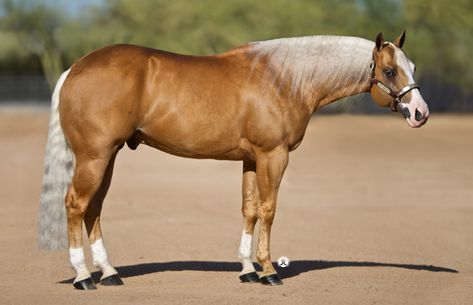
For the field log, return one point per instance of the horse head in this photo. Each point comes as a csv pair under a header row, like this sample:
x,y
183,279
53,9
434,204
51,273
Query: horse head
x,y
392,81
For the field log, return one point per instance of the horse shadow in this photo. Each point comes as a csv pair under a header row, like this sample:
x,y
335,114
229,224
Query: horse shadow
x,y
294,269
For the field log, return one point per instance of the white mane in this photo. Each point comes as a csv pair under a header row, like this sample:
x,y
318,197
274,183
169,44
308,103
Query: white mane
x,y
308,62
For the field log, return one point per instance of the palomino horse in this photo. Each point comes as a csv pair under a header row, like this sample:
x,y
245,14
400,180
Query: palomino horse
x,y
250,104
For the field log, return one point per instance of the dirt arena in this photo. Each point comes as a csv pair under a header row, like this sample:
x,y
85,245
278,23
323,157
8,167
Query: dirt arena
x,y
370,212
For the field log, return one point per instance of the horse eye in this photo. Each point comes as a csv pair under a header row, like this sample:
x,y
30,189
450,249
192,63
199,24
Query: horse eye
x,y
389,72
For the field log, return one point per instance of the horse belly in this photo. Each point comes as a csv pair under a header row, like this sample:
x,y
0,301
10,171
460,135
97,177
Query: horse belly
x,y
202,139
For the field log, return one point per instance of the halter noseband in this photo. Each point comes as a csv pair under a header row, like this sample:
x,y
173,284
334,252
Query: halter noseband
x,y
396,95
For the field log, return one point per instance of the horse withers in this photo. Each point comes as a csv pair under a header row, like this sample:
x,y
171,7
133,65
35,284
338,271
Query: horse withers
x,y
250,104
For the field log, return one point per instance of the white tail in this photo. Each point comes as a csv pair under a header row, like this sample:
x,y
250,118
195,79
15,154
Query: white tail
x,y
58,170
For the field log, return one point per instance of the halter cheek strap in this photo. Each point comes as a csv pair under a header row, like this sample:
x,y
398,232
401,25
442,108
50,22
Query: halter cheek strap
x,y
396,95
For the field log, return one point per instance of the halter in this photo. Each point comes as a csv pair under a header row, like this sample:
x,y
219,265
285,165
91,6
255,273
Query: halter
x,y
396,95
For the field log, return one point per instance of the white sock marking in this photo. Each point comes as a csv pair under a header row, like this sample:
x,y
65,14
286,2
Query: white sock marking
x,y
77,259
99,253
100,258
244,252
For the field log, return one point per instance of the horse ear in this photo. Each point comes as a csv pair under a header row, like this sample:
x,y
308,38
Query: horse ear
x,y
379,41
399,42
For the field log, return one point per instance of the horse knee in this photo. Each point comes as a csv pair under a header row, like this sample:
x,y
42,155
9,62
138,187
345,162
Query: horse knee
x,y
249,213
266,212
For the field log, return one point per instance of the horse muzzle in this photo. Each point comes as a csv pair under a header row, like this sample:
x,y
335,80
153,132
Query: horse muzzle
x,y
416,112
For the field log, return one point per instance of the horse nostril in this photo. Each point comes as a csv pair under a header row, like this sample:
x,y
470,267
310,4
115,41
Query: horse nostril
x,y
419,115
406,112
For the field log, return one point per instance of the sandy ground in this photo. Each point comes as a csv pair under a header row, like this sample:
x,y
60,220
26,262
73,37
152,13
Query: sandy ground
x,y
370,212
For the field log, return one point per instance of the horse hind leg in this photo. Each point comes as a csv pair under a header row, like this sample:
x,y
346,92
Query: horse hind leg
x,y
87,178
249,210
100,258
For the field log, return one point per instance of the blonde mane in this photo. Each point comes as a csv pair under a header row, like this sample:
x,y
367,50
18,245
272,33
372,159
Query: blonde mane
x,y
307,63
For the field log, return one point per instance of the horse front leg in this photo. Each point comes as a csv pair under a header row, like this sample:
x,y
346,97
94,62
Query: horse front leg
x,y
270,167
249,210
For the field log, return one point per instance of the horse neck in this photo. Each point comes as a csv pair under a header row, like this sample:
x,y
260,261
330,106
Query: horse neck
x,y
315,70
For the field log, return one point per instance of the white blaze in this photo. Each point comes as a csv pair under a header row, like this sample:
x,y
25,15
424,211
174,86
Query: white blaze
x,y
416,101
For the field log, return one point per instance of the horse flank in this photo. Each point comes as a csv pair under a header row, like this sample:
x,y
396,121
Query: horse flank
x,y
306,64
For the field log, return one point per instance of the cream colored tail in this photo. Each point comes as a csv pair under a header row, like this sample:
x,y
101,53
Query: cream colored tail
x,y
58,170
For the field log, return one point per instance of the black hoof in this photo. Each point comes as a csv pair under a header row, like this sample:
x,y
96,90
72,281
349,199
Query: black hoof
x,y
86,284
251,277
112,280
272,279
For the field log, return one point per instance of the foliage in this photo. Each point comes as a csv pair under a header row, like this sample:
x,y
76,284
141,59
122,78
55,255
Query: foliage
x,y
442,37
36,35
34,26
